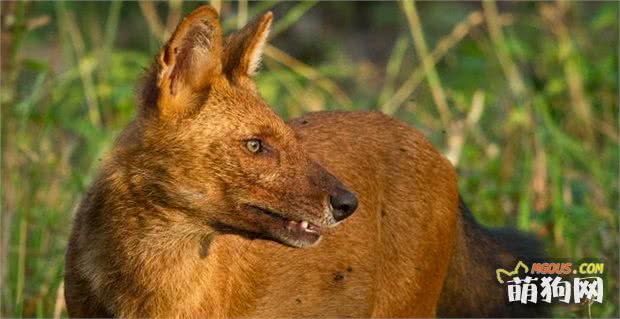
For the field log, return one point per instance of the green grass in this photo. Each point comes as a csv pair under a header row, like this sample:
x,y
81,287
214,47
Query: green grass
x,y
522,97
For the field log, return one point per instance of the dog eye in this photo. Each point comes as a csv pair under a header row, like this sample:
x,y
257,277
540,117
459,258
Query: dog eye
x,y
254,145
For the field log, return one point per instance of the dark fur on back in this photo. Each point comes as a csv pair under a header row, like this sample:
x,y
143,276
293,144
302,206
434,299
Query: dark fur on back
x,y
471,289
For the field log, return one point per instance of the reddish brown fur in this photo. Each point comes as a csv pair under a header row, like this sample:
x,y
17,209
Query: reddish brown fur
x,y
164,230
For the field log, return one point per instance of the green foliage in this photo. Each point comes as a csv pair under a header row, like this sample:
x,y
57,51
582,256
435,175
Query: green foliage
x,y
532,102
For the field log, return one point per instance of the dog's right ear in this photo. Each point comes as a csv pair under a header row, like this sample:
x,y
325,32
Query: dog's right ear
x,y
189,62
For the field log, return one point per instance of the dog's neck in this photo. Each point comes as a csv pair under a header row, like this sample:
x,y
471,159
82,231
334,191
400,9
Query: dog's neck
x,y
135,247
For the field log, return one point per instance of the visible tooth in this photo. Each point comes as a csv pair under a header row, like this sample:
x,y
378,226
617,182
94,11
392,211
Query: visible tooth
x,y
304,224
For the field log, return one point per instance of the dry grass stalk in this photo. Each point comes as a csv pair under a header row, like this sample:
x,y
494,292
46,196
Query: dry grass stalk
x,y
59,305
515,80
309,73
443,46
242,13
554,15
150,14
460,129
84,67
437,91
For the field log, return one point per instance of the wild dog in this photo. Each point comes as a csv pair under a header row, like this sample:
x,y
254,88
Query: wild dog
x,y
209,205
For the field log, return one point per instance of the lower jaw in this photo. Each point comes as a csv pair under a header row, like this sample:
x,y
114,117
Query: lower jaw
x,y
301,241
293,233
296,237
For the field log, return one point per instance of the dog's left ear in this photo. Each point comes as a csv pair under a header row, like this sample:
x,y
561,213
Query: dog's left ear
x,y
243,49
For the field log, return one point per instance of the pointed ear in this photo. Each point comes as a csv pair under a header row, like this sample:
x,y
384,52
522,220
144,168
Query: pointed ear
x,y
190,61
243,49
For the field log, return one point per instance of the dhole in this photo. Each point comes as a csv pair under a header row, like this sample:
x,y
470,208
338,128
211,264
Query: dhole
x,y
211,206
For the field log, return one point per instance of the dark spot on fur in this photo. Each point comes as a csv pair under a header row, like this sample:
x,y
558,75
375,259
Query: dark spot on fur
x,y
349,269
298,301
205,243
338,276
304,121
402,149
383,213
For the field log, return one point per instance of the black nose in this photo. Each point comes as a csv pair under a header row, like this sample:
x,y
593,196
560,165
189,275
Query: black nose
x,y
343,202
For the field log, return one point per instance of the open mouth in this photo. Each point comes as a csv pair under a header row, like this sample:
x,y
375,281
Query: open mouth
x,y
303,226
298,233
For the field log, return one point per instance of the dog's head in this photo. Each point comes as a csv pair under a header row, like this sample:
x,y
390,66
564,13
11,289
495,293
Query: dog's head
x,y
214,151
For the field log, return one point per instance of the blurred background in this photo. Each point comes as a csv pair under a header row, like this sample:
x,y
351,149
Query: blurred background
x,y
521,97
